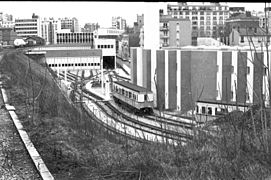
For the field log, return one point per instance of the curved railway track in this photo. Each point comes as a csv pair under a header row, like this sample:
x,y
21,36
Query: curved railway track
x,y
107,107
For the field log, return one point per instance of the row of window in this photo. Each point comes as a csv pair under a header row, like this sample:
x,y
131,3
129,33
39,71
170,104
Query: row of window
x,y
25,20
199,13
125,93
105,46
32,24
26,28
74,64
27,32
203,8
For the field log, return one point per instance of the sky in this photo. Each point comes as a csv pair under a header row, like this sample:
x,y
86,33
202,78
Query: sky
x,y
92,11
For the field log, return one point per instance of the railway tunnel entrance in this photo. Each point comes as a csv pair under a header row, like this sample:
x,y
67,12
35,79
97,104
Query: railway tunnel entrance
x,y
109,62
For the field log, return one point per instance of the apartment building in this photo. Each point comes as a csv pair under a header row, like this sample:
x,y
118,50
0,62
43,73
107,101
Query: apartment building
x,y
174,32
70,23
118,23
28,27
206,18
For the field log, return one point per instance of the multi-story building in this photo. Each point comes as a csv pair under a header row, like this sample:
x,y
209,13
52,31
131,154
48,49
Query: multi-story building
x,y
108,47
235,11
28,27
6,20
204,17
7,36
109,33
68,23
118,23
74,38
215,77
174,32
243,22
249,37
90,27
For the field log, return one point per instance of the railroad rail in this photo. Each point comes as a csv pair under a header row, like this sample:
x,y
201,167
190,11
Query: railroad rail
x,y
106,107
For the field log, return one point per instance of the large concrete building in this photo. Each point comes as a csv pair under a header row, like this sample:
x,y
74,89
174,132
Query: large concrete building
x,y
205,17
213,76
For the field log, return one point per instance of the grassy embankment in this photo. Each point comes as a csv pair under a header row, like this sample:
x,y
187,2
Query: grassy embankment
x,y
73,147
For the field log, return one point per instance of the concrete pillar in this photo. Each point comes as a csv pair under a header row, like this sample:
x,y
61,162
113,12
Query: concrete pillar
x,y
102,75
65,72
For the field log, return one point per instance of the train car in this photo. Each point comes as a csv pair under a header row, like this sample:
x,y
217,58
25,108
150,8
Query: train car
x,y
134,97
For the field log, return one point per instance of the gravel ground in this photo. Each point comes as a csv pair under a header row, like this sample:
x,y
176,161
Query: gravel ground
x,y
15,162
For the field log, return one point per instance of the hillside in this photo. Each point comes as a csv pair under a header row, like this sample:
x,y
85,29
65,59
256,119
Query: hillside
x,y
74,147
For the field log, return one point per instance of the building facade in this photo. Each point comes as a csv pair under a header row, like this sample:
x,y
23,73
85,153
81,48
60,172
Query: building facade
x,y
70,23
175,32
118,23
74,38
28,27
244,24
205,17
108,47
180,78
90,27
7,36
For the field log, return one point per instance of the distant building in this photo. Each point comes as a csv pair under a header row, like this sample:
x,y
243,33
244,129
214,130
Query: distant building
x,y
243,22
28,27
7,36
249,37
90,27
74,38
175,32
108,47
68,23
109,33
118,23
235,11
204,17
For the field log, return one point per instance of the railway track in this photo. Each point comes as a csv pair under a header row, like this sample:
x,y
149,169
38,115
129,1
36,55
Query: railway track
x,y
107,107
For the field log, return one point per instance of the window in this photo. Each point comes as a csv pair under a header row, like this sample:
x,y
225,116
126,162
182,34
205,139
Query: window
x,y
99,46
145,97
248,70
209,110
203,110
232,69
265,71
247,96
194,23
202,13
201,18
197,109
242,39
231,94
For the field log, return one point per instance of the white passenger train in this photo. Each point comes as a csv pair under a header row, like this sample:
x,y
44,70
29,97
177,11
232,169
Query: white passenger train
x,y
132,96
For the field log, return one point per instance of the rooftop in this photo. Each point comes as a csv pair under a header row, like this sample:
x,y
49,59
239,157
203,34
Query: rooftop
x,y
74,53
132,86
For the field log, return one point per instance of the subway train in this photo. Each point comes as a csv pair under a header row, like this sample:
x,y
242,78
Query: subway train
x,y
134,98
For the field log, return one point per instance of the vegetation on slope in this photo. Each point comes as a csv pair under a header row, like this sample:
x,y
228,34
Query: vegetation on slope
x,y
74,147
